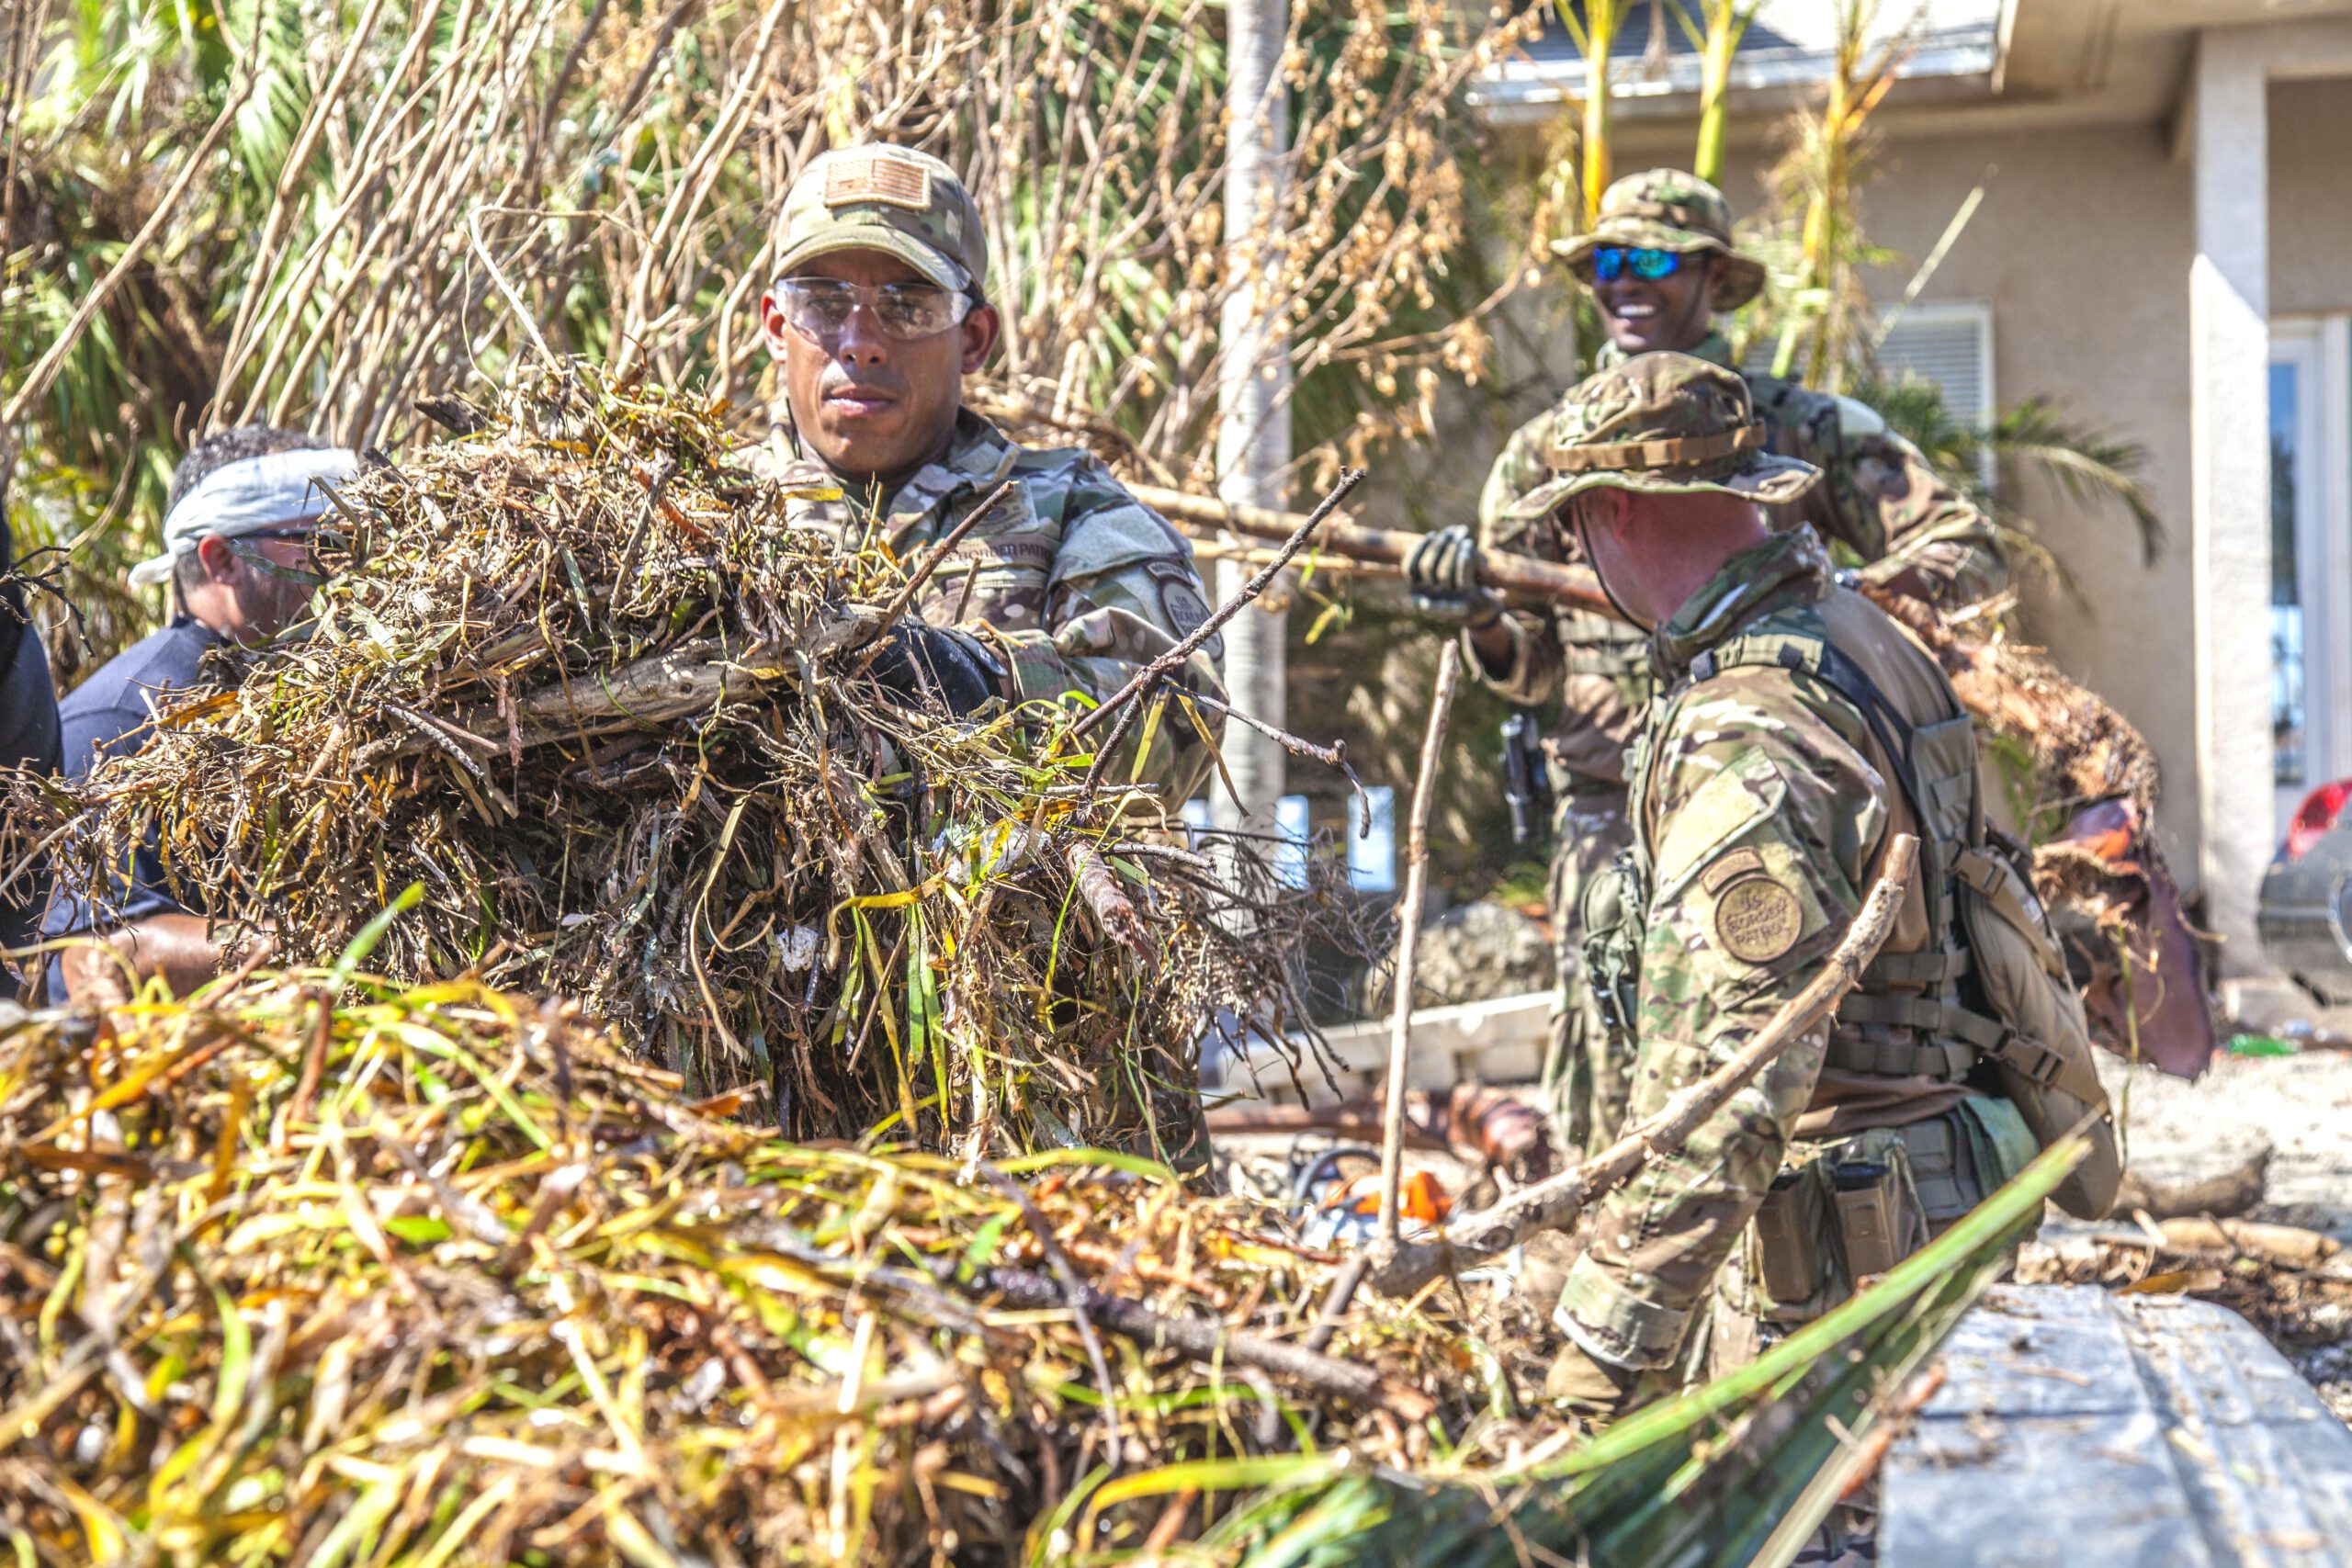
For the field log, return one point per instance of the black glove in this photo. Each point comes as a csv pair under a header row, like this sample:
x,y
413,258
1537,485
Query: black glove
x,y
1443,574
920,660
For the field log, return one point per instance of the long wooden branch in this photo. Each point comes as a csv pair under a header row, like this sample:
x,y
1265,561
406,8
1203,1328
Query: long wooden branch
x,y
1554,1204
1521,578
1211,1340
653,690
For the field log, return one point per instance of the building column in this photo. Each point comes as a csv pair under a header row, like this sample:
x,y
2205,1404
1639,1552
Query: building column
x,y
2229,291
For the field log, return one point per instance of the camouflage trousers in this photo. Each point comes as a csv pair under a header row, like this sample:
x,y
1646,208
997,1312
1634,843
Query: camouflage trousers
x,y
1586,1084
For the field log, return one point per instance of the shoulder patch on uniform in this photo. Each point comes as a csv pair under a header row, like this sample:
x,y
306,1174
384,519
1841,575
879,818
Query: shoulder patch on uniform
x,y
1758,919
1180,604
1745,790
1739,863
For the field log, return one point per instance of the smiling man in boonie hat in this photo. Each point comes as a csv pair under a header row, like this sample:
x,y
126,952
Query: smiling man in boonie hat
x,y
1666,213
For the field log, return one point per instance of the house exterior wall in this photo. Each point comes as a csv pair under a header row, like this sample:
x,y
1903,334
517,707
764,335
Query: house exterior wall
x,y
2311,196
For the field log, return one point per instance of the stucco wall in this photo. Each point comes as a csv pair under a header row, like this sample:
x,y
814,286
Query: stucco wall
x,y
2082,246
2311,196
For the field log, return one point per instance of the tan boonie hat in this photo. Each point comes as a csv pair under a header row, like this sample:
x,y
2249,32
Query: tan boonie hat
x,y
1667,423
1666,209
893,199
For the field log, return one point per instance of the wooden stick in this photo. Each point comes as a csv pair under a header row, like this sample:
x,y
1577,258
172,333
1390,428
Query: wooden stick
x,y
1554,1204
1294,541
921,573
651,690
1124,698
1409,943
1209,1339
1533,580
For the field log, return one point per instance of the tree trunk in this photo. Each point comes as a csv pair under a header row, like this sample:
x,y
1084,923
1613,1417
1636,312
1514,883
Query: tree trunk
x,y
1253,392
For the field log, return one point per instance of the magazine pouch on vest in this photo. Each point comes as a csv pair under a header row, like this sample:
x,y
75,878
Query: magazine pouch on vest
x,y
2045,1061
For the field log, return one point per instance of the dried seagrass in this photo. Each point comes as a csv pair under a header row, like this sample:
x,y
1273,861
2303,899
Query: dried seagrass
x,y
577,683
318,1269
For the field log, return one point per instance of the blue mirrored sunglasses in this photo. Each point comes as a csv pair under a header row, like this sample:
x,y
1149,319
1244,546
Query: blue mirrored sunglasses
x,y
1609,262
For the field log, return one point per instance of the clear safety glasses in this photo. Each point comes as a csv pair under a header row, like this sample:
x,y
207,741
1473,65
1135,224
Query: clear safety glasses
x,y
819,309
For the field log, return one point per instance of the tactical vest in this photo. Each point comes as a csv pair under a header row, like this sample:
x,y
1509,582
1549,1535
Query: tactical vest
x,y
1972,975
1912,1013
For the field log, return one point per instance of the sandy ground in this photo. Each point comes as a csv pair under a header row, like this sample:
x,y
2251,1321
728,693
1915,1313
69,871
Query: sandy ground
x,y
2301,1105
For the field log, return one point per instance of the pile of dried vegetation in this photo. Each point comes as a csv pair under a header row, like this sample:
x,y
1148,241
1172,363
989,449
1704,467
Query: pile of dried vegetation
x,y
577,683
441,1275
315,1269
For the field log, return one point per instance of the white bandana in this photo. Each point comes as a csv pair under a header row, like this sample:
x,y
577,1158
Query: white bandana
x,y
250,495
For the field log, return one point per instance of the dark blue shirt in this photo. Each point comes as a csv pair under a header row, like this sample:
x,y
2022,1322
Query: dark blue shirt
x,y
28,740
109,715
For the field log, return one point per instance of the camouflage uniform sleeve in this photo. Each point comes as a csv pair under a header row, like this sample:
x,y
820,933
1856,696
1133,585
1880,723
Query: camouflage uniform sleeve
x,y
1122,591
1767,816
1928,525
1537,659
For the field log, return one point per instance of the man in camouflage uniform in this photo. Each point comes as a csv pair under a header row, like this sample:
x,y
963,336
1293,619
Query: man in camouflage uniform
x,y
1660,264
1795,732
1067,586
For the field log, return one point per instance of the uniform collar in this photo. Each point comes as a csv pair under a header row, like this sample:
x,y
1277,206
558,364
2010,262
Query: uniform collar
x,y
1714,348
977,453
1784,571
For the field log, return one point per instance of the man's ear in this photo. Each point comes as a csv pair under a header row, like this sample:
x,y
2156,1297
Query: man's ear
x,y
1609,507
220,562
980,329
772,326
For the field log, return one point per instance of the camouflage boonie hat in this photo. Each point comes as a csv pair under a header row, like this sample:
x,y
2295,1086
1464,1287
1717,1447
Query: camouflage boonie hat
x,y
893,199
1667,423
1666,209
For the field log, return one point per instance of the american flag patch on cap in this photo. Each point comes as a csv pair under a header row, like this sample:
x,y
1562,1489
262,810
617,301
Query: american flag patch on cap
x,y
898,182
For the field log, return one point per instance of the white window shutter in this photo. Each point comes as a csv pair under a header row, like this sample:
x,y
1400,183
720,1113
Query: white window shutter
x,y
1949,346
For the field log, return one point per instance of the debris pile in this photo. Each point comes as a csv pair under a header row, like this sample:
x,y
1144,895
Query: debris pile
x,y
576,681
441,1265
313,1268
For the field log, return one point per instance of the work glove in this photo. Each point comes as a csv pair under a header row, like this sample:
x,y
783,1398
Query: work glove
x,y
919,660
1587,1387
1441,572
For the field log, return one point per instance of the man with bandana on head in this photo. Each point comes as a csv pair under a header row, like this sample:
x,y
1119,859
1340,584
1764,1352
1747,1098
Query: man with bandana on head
x,y
1661,265
1067,586
237,553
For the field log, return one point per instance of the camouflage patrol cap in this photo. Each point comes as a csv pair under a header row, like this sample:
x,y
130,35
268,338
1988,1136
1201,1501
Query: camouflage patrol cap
x,y
1666,209
1667,423
893,199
